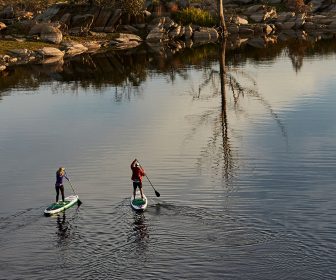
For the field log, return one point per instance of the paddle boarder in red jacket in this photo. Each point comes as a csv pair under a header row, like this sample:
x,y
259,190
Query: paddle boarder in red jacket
x,y
137,173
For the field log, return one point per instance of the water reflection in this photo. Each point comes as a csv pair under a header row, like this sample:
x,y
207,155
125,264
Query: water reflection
x,y
140,227
141,235
132,69
63,229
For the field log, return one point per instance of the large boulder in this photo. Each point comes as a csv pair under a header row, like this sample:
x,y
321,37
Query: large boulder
x,y
112,23
285,16
72,48
175,33
125,37
38,28
204,35
126,45
157,35
49,13
50,51
81,24
254,9
51,35
18,52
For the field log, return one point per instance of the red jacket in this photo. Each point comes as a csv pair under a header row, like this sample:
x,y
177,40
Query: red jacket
x,y
137,172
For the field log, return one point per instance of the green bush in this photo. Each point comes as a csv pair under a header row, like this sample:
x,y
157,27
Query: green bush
x,y
195,16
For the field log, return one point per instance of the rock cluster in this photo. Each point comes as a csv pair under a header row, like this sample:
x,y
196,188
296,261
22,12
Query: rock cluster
x,y
256,25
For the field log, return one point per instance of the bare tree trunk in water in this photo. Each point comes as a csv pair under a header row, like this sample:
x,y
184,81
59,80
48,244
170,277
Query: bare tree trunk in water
x,y
221,18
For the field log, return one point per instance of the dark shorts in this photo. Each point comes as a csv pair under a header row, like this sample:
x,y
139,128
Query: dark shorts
x,y
137,185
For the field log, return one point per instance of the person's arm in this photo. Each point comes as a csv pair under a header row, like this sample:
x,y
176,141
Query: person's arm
x,y
133,163
143,172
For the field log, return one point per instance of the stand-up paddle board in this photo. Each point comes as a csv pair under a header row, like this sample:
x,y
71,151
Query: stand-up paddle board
x,y
61,206
138,203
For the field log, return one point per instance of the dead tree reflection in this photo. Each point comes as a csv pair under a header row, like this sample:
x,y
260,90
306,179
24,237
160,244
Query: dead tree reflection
x,y
219,151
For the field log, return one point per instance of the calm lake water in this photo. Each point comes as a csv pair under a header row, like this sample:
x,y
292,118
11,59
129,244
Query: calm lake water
x,y
247,176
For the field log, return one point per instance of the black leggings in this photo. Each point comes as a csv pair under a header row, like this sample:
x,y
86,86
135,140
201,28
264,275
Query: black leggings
x,y
59,188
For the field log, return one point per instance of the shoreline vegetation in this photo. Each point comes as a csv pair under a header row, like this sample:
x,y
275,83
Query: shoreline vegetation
x,y
35,33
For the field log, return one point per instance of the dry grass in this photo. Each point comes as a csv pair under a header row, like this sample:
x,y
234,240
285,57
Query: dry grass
x,y
6,45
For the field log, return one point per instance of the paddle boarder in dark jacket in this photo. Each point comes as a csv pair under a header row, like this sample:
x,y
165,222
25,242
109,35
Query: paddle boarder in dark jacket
x,y
60,174
137,174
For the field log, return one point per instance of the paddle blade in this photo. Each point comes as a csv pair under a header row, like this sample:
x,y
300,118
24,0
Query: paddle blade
x,y
79,203
157,193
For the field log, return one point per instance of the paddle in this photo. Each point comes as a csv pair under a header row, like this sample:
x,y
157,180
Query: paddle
x,y
78,201
156,192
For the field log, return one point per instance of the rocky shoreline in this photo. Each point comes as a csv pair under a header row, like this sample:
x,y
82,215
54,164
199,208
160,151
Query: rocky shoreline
x,y
71,30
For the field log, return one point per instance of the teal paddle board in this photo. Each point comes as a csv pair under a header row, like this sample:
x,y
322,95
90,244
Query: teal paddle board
x,y
61,206
137,203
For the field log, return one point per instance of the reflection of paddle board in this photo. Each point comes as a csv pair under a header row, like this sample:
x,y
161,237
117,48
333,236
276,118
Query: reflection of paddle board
x,y
138,203
61,206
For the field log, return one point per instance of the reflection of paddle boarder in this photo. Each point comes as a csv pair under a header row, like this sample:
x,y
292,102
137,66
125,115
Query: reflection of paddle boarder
x,y
137,173
140,227
60,174
63,228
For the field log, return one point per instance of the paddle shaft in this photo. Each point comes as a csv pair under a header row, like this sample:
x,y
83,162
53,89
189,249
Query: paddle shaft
x,y
156,192
79,202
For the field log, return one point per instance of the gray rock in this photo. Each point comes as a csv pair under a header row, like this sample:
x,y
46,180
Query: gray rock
x,y
285,16
92,46
38,28
73,48
175,33
127,45
254,9
259,17
50,51
66,19
240,21
157,34
205,35
51,35
49,13
111,24
18,52
84,21
125,37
